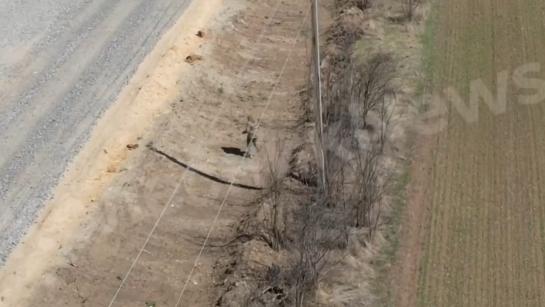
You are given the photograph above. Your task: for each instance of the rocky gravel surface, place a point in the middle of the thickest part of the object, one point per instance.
(62, 63)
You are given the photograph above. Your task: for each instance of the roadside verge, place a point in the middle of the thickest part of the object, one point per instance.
(144, 99)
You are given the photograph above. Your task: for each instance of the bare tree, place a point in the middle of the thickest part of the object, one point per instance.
(369, 190)
(410, 8)
(359, 91)
(361, 4)
(275, 178)
(385, 115)
(321, 230)
(364, 4)
(310, 259)
(354, 179)
(370, 83)
(317, 233)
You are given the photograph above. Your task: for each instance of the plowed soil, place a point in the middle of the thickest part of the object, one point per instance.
(477, 196)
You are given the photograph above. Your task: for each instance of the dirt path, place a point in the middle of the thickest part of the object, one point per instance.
(482, 237)
(133, 232)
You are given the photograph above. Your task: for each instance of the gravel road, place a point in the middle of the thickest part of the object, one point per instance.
(62, 63)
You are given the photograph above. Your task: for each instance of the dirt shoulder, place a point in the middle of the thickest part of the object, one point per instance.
(127, 225)
(404, 274)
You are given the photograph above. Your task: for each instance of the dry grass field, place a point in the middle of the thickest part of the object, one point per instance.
(482, 239)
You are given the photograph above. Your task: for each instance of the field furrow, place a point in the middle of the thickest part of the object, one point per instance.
(484, 234)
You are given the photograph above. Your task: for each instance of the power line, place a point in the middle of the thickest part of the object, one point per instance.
(315, 7)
